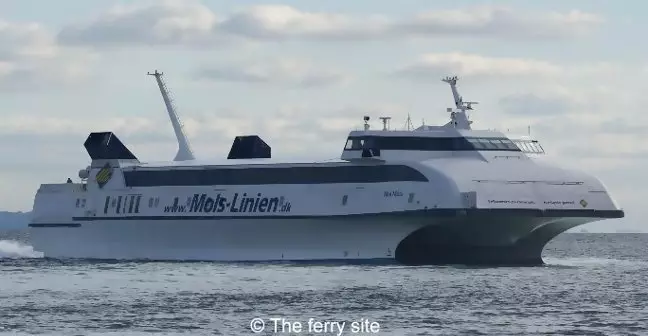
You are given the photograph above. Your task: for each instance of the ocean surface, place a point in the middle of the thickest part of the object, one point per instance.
(593, 284)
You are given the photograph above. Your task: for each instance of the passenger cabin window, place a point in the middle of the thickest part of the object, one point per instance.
(271, 176)
(378, 143)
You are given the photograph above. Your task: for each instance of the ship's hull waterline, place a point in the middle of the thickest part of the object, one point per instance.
(411, 239)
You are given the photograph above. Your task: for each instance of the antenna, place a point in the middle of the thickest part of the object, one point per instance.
(184, 150)
(385, 121)
(409, 125)
(366, 122)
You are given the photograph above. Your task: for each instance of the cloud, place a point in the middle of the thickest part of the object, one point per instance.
(435, 65)
(154, 23)
(30, 58)
(606, 142)
(497, 21)
(285, 22)
(623, 125)
(287, 72)
(293, 131)
(290, 133)
(191, 23)
(533, 105)
(25, 40)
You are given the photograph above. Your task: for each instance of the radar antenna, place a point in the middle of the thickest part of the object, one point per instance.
(459, 118)
(408, 123)
(184, 150)
(385, 121)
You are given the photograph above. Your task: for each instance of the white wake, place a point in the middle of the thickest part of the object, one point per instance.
(15, 249)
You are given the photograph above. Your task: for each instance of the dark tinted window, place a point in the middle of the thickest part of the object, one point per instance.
(288, 175)
(430, 144)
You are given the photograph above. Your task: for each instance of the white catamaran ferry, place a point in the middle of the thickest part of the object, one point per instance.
(432, 195)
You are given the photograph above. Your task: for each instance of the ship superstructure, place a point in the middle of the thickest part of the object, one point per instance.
(431, 195)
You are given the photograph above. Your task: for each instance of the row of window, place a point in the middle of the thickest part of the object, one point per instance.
(285, 175)
(430, 144)
(441, 144)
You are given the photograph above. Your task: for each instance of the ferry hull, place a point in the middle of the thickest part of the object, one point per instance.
(411, 239)
(225, 239)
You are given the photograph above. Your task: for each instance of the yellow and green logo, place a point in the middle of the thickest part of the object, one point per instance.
(104, 175)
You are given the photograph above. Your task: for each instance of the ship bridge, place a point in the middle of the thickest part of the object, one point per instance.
(421, 145)
(454, 139)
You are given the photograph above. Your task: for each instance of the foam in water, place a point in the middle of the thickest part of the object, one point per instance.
(591, 261)
(15, 249)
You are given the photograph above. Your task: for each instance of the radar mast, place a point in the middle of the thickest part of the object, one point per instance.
(184, 150)
(458, 116)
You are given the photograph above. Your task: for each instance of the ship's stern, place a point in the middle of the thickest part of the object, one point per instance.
(52, 221)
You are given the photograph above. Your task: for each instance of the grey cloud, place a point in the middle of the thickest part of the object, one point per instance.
(20, 41)
(533, 105)
(19, 80)
(286, 72)
(556, 125)
(597, 152)
(194, 24)
(477, 67)
(164, 23)
(260, 22)
(30, 58)
(36, 78)
(623, 126)
(231, 75)
(497, 22)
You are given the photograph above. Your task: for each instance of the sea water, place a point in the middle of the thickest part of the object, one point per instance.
(593, 284)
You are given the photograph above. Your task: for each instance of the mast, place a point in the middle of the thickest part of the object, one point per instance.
(184, 150)
(408, 124)
(453, 86)
(458, 116)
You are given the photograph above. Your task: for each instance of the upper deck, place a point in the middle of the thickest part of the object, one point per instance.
(370, 155)
(454, 139)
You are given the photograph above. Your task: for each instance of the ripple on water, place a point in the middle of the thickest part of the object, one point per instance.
(600, 294)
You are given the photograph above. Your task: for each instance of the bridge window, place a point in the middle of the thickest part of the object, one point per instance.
(354, 144)
(509, 144)
(475, 143)
(430, 143)
(529, 146)
(487, 144)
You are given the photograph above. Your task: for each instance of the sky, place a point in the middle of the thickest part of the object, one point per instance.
(302, 74)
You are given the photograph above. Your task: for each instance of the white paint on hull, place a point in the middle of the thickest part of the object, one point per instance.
(226, 240)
